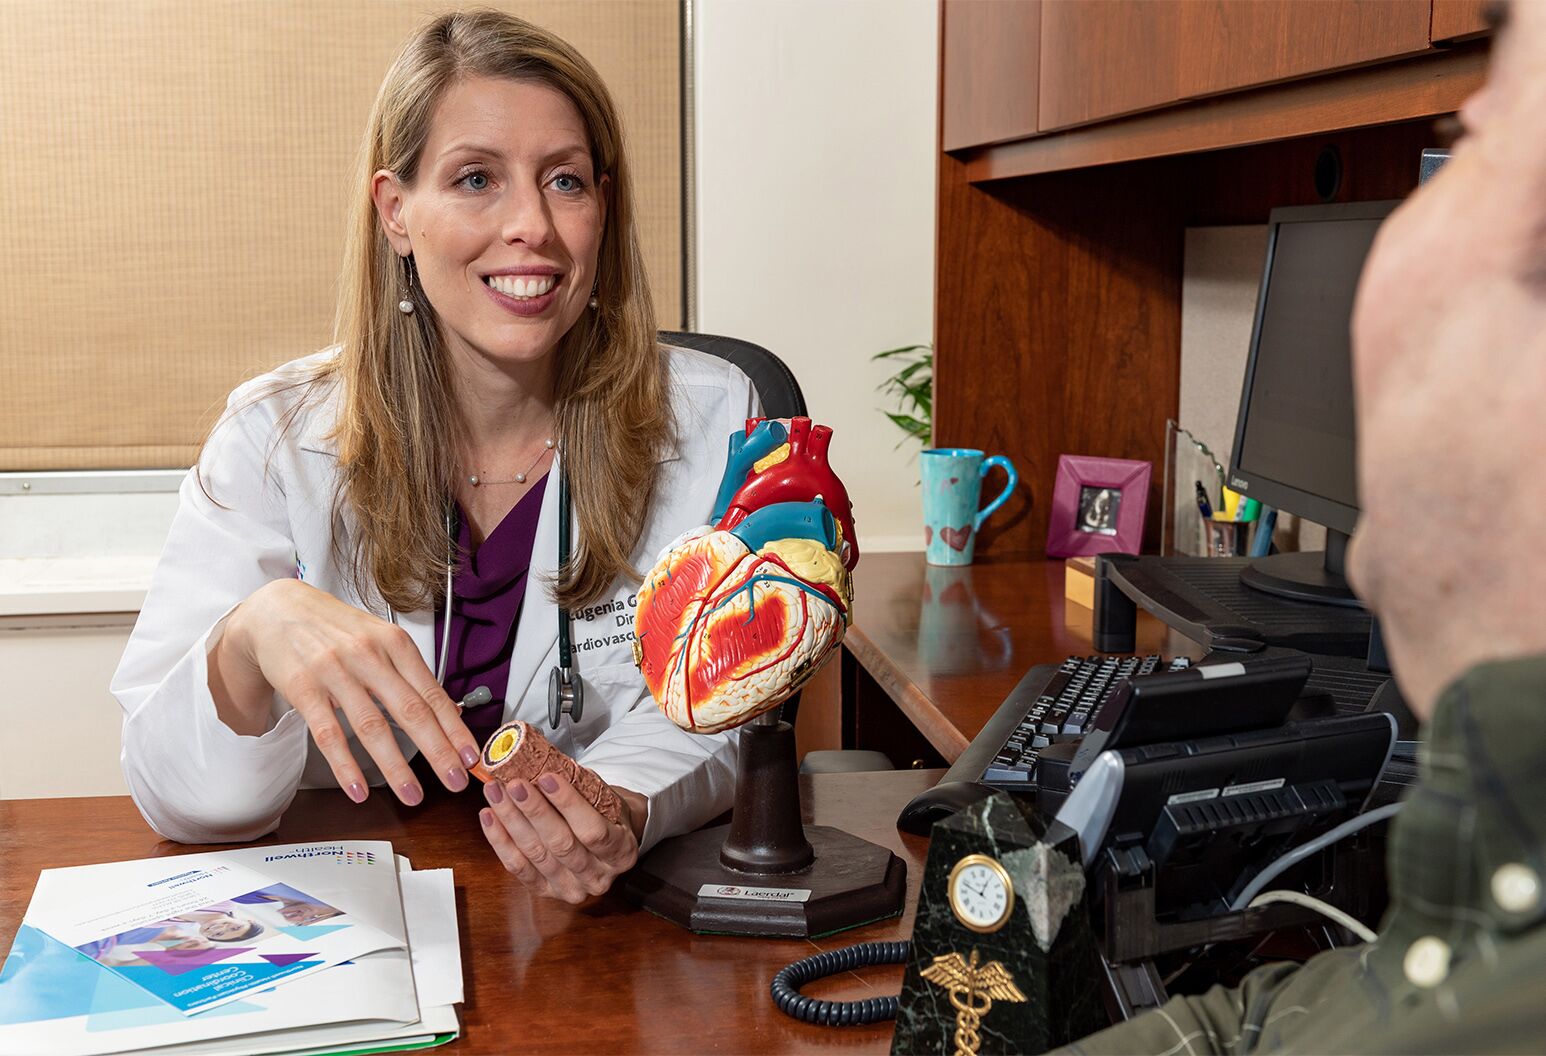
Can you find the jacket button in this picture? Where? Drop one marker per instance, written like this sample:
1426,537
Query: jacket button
1516,888
1427,962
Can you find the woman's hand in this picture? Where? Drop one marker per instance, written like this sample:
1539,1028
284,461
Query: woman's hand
324,655
556,843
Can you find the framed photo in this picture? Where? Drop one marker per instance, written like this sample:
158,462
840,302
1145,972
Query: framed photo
1097,506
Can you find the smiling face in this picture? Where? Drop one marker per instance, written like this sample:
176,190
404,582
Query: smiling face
504,218
227,929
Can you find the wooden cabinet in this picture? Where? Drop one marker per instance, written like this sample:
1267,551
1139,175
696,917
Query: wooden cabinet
1457,19
1099,60
1227,44
990,53
1103,60
1012,70
1061,220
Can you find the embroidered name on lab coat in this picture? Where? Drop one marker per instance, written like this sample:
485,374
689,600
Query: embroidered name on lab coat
607,624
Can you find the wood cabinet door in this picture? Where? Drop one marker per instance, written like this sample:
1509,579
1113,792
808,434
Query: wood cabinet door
1230,44
990,59
1105,59
1453,19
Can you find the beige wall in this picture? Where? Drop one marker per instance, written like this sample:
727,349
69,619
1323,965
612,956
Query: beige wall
1219,283
815,221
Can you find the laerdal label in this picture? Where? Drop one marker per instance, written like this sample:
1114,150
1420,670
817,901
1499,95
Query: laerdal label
755,894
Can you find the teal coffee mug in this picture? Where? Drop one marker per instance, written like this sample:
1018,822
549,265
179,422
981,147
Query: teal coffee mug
952,487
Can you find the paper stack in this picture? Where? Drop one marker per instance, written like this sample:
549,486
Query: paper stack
303,948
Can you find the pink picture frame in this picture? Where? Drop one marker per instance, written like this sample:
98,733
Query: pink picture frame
1098,506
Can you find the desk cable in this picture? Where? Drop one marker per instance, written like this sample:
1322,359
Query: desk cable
1303,851
787,983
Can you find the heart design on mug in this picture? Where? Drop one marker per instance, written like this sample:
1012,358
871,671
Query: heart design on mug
928,535
956,538
954,481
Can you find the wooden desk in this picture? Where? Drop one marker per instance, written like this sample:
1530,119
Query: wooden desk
603,978
948,644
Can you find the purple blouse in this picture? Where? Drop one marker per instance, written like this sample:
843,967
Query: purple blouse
489,588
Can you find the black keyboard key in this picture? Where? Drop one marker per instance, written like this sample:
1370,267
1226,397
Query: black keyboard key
1000,776
1067,707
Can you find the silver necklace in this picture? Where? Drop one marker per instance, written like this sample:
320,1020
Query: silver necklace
520,478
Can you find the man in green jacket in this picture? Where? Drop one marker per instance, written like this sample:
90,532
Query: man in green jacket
1450,373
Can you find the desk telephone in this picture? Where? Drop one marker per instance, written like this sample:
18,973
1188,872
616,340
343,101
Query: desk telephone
1158,799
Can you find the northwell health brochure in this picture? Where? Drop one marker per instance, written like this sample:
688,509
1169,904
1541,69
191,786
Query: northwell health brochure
267,948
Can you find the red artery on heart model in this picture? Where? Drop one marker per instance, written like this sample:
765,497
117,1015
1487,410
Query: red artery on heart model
735,616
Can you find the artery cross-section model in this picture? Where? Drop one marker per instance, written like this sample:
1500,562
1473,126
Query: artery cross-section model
736,615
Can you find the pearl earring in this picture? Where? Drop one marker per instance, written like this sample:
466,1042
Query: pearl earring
594,304
406,304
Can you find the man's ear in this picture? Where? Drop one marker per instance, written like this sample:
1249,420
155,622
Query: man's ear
386,190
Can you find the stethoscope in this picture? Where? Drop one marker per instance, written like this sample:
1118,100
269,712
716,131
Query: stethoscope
566,693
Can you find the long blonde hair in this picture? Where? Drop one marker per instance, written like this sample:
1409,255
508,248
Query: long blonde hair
397,420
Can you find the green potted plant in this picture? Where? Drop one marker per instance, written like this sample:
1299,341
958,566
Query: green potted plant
912,386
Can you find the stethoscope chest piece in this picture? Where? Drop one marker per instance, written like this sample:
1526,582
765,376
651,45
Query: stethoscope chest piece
566,696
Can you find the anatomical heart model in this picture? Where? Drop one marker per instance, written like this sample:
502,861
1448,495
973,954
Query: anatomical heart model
732,620
737,615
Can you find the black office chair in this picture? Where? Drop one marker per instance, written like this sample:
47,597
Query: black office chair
781,398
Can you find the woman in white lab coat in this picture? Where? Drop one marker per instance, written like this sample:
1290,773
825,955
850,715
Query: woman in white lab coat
494,330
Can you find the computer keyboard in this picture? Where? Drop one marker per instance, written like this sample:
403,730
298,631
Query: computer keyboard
1065,708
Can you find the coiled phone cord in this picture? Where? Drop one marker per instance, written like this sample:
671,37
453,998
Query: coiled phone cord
787,983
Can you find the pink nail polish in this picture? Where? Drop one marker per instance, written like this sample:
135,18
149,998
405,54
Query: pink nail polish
356,792
518,790
456,779
486,817
548,782
469,757
411,793
493,793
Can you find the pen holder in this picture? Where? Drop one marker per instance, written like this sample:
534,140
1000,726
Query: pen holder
1224,538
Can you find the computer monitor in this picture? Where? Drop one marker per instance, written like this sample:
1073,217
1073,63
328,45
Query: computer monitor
1295,446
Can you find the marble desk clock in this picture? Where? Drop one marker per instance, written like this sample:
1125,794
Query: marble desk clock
1003,955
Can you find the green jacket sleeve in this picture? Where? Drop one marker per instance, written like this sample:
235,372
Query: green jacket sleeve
1219,1021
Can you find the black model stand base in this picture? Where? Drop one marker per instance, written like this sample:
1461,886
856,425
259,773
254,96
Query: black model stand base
765,873
850,882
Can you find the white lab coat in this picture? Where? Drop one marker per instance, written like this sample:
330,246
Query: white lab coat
197,781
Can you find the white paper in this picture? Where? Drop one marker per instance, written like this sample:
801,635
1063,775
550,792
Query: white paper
55,1001
429,898
199,930
429,907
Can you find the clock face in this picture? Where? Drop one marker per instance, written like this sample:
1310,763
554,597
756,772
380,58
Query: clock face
981,893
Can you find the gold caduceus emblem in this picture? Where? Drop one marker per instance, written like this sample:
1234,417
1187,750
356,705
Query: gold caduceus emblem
967,984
